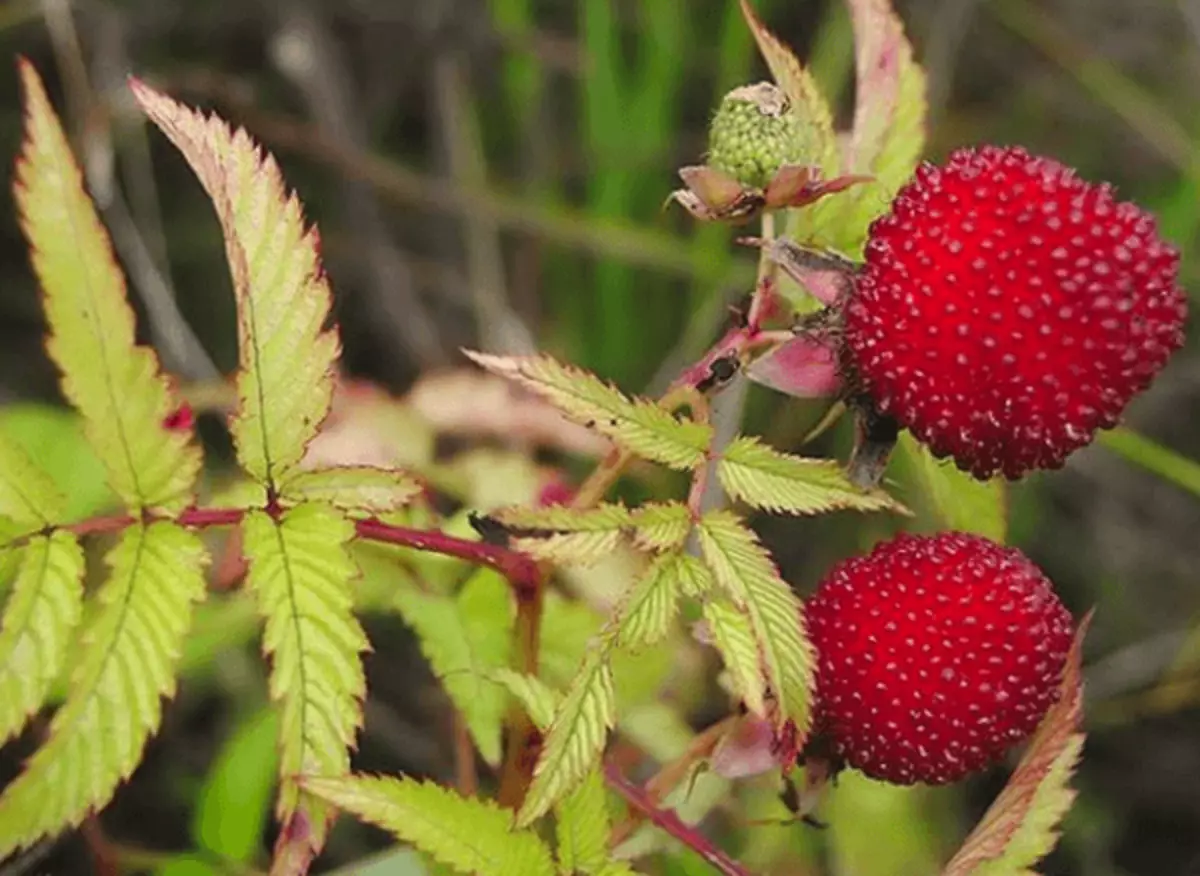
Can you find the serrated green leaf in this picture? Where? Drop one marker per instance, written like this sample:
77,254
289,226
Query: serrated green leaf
117,385
300,572
465,638
761,476
563,518
743,569
647,611
1019,828
953,498
576,738
582,827
352,488
535,696
661,526
695,578
808,103
733,636
43,610
646,428
563,535
285,355
475,837
124,666
28,498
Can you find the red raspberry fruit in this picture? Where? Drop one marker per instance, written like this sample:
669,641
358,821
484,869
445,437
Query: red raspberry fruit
1008,309
935,655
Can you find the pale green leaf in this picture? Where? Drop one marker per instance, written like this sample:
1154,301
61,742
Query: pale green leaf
124,665
474,837
761,476
952,498
43,610
28,497
647,611
563,535
733,637
582,827
808,103
1020,827
285,355
661,526
889,124
465,638
352,488
300,573
743,569
647,429
695,578
535,696
234,805
576,738
116,385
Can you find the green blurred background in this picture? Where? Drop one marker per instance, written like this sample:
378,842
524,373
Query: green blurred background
492,173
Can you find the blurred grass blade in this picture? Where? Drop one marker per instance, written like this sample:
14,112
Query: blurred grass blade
1152,456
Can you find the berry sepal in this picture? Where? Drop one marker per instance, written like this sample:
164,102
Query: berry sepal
711,195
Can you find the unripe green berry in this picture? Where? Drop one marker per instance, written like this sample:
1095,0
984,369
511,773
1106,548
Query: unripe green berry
753,134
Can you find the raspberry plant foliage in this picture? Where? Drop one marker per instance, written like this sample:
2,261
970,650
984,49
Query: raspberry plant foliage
539,679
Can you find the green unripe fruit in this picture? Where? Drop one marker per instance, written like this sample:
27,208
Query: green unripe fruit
753,134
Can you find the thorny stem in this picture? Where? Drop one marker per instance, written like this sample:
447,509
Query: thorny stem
640,802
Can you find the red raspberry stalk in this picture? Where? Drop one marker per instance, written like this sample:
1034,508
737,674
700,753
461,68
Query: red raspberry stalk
1008,309
935,655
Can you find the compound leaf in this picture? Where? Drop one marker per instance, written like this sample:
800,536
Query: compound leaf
300,572
743,569
473,837
647,429
43,610
117,386
286,356
124,666
576,737
761,476
1019,828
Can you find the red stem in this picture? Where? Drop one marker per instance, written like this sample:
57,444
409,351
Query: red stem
521,571
639,800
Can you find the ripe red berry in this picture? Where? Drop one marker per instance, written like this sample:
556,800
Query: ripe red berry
1008,309
935,655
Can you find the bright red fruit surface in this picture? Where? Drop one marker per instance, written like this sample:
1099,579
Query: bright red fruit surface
936,654
1008,309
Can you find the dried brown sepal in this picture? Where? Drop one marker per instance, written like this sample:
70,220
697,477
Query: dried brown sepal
1036,795
713,196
